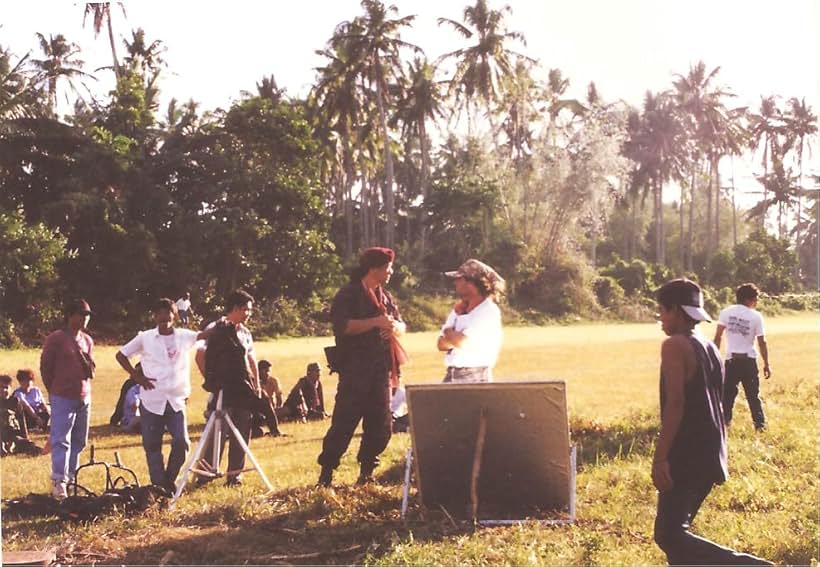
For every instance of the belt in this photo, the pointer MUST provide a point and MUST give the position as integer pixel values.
(738, 355)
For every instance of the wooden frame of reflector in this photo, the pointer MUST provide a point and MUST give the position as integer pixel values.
(494, 452)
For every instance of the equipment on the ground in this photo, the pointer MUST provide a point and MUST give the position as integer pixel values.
(218, 421)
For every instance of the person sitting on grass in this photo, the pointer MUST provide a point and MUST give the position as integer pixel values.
(306, 400)
(266, 406)
(131, 421)
(13, 431)
(37, 413)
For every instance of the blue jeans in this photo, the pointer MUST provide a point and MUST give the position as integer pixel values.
(69, 434)
(153, 427)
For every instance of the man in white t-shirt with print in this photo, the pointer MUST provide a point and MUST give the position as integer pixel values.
(742, 324)
(471, 337)
(165, 385)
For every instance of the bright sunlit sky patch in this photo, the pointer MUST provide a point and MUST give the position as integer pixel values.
(215, 50)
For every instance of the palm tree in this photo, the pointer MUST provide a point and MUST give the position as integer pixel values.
(18, 97)
(420, 101)
(60, 62)
(765, 128)
(482, 67)
(802, 125)
(338, 106)
(701, 104)
(657, 145)
(375, 43)
(101, 12)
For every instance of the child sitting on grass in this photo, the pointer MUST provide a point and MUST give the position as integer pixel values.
(32, 397)
(13, 431)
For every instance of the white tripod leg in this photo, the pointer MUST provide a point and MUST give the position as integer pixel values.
(247, 450)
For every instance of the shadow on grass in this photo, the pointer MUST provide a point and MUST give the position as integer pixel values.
(634, 435)
(346, 524)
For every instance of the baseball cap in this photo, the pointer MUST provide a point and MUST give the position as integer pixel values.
(313, 366)
(687, 294)
(472, 268)
(264, 364)
(77, 306)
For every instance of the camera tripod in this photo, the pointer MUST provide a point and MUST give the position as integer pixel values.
(218, 421)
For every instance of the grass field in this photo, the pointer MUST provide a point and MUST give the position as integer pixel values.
(768, 507)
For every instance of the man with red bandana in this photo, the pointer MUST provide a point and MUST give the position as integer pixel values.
(366, 324)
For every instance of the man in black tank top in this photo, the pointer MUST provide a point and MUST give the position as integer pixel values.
(690, 457)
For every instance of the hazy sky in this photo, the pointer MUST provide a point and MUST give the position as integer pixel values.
(215, 50)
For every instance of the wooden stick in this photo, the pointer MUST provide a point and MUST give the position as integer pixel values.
(479, 452)
(313, 555)
(449, 517)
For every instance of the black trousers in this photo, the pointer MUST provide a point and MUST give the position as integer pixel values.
(743, 371)
(365, 397)
(677, 509)
(241, 413)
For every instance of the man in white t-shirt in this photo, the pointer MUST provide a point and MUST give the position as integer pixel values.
(184, 308)
(471, 337)
(165, 385)
(742, 324)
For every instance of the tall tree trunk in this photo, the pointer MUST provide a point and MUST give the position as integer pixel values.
(682, 237)
(710, 178)
(717, 204)
(734, 206)
(690, 237)
(364, 207)
(424, 176)
(765, 190)
(658, 200)
(113, 45)
(389, 205)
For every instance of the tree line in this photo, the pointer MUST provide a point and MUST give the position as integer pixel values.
(477, 153)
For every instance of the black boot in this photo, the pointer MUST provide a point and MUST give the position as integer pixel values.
(366, 474)
(325, 477)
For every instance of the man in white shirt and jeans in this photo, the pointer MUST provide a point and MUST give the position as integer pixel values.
(742, 324)
(165, 382)
(471, 337)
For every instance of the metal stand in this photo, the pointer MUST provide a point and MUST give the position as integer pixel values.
(213, 432)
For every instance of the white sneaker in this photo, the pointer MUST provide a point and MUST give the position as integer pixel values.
(58, 489)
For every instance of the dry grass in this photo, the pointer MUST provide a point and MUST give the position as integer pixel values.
(768, 507)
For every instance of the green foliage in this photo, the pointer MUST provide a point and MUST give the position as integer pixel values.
(29, 284)
(635, 277)
(768, 261)
(608, 291)
(559, 289)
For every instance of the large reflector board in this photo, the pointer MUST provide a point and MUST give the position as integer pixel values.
(525, 469)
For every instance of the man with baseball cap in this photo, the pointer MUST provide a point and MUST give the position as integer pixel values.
(743, 324)
(691, 455)
(471, 336)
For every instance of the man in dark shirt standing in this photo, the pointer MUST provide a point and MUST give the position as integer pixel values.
(690, 457)
(366, 324)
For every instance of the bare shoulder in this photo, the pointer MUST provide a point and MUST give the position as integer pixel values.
(676, 345)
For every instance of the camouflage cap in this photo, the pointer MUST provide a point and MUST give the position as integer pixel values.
(478, 270)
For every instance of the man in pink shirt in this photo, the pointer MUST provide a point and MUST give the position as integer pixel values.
(67, 367)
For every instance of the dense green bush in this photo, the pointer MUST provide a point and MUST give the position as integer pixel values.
(559, 289)
(634, 277)
(608, 291)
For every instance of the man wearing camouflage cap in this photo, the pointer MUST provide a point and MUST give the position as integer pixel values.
(471, 336)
